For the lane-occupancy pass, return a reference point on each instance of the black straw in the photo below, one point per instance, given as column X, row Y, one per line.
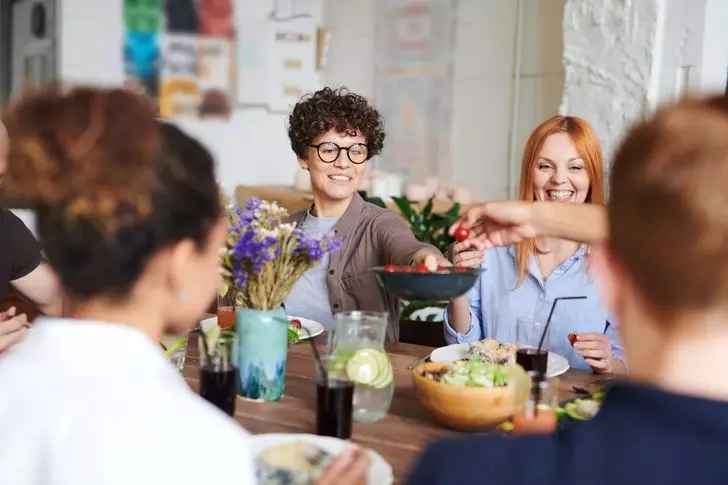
column 204, row 341
column 540, row 373
column 316, row 354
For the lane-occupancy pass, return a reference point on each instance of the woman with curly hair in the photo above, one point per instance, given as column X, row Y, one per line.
column 333, row 133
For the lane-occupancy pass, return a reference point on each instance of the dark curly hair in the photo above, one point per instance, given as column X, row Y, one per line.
column 337, row 109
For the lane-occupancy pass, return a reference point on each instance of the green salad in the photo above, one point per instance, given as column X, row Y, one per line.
column 472, row 373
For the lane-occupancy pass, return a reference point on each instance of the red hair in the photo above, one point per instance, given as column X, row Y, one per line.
column 587, row 145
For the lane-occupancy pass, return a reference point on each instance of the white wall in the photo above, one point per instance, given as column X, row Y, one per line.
column 252, row 148
column 624, row 59
column 483, row 78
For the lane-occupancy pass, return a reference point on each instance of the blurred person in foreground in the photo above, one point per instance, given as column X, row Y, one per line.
column 129, row 211
column 22, row 266
column 660, row 252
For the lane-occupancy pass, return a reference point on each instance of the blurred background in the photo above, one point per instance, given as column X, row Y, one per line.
column 461, row 83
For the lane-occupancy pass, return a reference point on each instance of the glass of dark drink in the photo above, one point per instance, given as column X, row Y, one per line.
column 528, row 336
column 219, row 372
column 334, row 400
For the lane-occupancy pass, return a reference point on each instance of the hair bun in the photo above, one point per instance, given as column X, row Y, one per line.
column 89, row 152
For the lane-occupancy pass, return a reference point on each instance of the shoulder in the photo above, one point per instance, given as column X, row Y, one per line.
column 296, row 217
column 168, row 428
column 495, row 457
column 500, row 259
column 380, row 216
column 9, row 222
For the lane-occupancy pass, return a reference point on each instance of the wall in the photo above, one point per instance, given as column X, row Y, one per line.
column 624, row 58
column 484, row 75
column 252, row 148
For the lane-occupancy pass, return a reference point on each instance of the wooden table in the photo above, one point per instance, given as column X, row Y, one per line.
column 399, row 437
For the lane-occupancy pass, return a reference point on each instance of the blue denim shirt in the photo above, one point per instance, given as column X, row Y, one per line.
column 495, row 305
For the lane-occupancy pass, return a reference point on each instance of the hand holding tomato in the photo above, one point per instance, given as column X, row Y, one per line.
column 468, row 254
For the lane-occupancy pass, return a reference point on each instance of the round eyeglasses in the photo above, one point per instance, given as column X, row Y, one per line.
column 328, row 152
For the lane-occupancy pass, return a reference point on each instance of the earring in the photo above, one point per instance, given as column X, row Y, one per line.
column 182, row 295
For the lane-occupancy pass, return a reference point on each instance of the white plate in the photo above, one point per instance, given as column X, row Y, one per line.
column 557, row 364
column 208, row 323
column 314, row 328
column 380, row 472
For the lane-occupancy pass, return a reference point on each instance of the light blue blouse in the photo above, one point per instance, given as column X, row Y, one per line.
column 495, row 305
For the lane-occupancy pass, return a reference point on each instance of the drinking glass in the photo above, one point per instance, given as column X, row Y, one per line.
column 528, row 336
column 175, row 349
column 226, row 306
column 218, row 372
column 538, row 414
column 334, row 399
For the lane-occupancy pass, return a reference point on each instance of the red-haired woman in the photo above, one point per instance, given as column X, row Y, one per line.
column 562, row 162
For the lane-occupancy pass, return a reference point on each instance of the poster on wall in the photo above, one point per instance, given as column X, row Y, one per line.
column 180, row 53
column 415, row 43
column 291, row 62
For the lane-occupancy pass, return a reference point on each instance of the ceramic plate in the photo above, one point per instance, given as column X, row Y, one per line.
column 314, row 328
column 557, row 364
column 208, row 323
column 380, row 472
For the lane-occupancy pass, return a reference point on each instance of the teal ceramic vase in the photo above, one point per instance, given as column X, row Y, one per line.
column 262, row 352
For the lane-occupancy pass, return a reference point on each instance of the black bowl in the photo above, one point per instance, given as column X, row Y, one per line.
column 444, row 284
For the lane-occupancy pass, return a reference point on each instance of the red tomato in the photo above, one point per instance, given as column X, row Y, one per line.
column 407, row 269
column 443, row 268
column 421, row 268
column 572, row 339
column 390, row 268
column 461, row 233
column 461, row 268
column 295, row 322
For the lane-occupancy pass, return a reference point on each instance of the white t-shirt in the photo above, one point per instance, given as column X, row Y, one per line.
column 99, row 404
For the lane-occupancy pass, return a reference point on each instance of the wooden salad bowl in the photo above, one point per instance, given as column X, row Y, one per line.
column 470, row 408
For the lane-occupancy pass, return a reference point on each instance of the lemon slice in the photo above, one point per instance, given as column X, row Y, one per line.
column 369, row 367
column 172, row 343
column 211, row 336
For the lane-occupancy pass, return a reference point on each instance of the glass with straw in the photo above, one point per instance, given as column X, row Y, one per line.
column 334, row 399
column 538, row 413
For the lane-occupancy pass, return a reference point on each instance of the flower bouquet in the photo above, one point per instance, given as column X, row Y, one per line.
column 263, row 258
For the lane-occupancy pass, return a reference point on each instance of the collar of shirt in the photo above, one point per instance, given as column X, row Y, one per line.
column 534, row 270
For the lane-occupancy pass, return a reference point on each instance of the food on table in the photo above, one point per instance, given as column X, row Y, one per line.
column 293, row 463
column 582, row 409
column 295, row 331
column 461, row 233
column 572, row 339
column 420, row 268
column 579, row 409
column 491, row 351
column 471, row 373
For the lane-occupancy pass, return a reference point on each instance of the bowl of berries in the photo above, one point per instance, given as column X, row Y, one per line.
column 417, row 283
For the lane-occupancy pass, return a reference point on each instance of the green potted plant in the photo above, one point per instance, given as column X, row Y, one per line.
column 421, row 321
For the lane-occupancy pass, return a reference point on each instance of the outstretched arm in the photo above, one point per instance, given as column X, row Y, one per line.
column 504, row 223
